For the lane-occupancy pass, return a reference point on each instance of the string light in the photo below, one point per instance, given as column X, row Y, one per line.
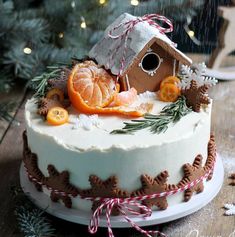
column 102, row 2
column 27, row 50
column 191, row 33
column 73, row 5
column 61, row 35
column 83, row 23
column 134, row 2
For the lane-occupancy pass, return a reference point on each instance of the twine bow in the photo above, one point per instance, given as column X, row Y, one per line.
column 132, row 206
column 129, row 26
column 125, row 207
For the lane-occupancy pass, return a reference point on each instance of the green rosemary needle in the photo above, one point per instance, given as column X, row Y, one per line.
column 157, row 123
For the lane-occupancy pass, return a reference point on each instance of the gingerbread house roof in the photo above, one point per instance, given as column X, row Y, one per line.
column 108, row 52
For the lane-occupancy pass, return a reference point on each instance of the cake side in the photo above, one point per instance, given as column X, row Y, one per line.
column 124, row 160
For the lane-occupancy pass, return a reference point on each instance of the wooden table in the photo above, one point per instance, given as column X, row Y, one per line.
column 209, row 221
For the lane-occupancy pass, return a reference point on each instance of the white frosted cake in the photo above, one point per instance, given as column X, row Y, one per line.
column 112, row 144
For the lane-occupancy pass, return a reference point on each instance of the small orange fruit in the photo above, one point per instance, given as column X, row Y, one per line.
column 55, row 93
column 92, row 85
column 57, row 116
column 171, row 79
column 169, row 93
column 125, row 97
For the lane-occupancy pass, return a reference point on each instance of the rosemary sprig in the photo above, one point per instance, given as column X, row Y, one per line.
column 39, row 83
column 157, row 123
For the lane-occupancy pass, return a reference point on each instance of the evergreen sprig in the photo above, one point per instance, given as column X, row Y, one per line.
column 40, row 83
column 33, row 223
column 157, row 123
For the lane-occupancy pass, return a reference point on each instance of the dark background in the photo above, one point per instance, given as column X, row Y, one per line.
column 206, row 26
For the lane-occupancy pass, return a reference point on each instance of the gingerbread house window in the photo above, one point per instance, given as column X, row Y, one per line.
column 150, row 63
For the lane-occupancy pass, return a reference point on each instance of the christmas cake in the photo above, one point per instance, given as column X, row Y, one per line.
column 130, row 121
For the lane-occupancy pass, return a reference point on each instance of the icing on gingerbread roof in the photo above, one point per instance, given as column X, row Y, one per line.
column 140, row 35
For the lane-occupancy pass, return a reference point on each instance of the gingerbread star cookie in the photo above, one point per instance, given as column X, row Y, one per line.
column 191, row 173
column 31, row 164
column 59, row 181
column 105, row 189
column 154, row 185
column 196, row 96
column 211, row 150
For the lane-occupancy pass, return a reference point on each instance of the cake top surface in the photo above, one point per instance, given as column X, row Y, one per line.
column 138, row 37
column 83, row 133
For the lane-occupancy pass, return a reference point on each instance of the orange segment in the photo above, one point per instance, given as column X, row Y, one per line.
column 125, row 97
column 91, row 88
column 55, row 92
column 171, row 79
column 57, row 116
column 95, row 86
column 169, row 93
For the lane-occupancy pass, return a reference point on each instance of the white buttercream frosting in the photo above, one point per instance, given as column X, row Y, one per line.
column 85, row 152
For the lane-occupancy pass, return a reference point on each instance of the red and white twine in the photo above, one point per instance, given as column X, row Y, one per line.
column 127, row 206
column 128, row 27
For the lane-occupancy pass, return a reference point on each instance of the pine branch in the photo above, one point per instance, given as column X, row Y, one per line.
column 157, row 123
column 33, row 224
column 40, row 83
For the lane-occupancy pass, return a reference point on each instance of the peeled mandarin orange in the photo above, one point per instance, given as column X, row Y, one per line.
column 55, row 92
column 91, row 88
column 125, row 97
column 171, row 79
column 57, row 116
column 169, row 93
column 95, row 86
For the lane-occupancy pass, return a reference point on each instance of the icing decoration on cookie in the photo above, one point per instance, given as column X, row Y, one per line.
column 60, row 181
column 196, row 96
column 107, row 188
column 192, row 172
column 31, row 164
column 154, row 185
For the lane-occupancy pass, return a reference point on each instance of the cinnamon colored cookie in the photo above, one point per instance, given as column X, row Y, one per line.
column 196, row 96
column 31, row 164
column 191, row 173
column 61, row 188
column 155, row 185
column 105, row 189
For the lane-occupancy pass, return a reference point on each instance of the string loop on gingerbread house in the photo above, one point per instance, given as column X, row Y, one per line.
column 129, row 26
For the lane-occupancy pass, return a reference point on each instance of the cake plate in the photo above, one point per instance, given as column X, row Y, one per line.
column 174, row 212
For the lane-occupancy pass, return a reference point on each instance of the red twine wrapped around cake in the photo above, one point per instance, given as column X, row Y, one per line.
column 129, row 26
column 128, row 205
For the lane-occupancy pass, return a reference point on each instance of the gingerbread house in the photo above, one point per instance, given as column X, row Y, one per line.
column 150, row 56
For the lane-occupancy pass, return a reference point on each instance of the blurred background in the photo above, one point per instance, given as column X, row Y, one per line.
column 38, row 33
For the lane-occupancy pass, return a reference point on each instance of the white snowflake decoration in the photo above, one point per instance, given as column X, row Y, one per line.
column 230, row 209
column 87, row 122
column 196, row 72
